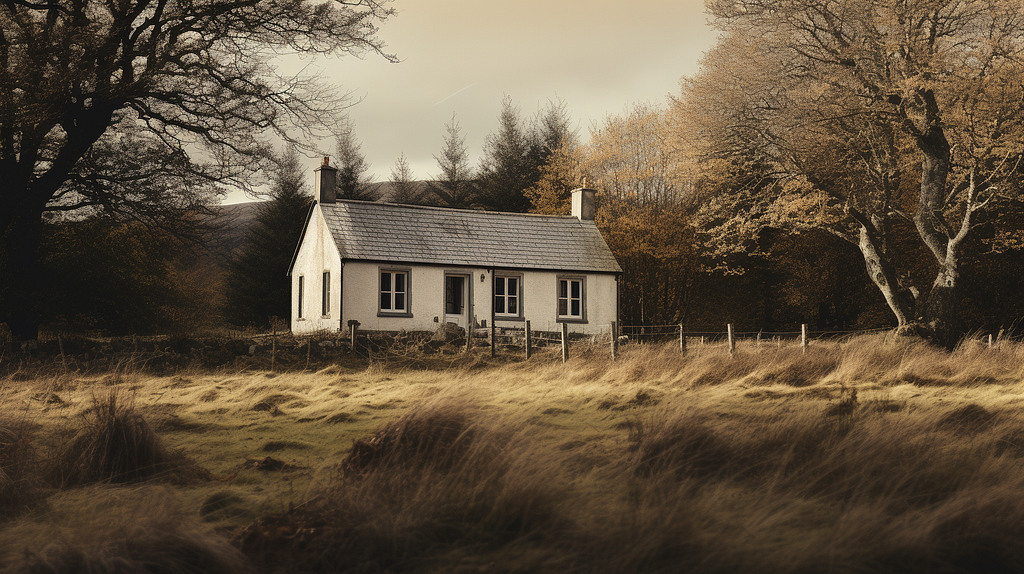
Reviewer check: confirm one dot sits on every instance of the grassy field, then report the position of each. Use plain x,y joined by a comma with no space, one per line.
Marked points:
876,454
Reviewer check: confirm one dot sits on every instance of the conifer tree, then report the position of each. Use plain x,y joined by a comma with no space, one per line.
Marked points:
454,186
353,180
258,286
509,165
403,188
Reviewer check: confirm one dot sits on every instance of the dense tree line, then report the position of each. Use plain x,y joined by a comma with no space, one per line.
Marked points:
846,164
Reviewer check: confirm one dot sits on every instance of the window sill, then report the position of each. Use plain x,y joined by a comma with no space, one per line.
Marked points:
578,320
512,318
325,316
400,315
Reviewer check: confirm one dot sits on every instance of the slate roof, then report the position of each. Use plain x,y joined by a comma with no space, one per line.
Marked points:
417,234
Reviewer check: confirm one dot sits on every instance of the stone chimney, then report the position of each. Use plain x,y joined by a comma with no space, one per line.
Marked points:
325,182
583,204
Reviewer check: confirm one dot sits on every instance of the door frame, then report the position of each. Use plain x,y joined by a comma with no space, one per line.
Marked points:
467,302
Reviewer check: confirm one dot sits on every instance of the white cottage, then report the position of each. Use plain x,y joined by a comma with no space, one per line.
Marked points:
402,267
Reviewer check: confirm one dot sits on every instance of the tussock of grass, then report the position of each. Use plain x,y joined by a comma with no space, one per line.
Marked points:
119,532
436,436
116,444
19,466
439,481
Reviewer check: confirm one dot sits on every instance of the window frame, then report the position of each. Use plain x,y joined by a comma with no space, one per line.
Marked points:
519,315
325,295
407,311
582,317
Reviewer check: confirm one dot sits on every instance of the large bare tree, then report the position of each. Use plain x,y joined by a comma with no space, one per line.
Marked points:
838,106
98,99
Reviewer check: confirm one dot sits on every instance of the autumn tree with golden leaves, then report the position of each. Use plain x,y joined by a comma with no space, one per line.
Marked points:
858,116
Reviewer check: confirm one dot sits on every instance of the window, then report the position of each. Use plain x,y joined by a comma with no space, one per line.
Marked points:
507,296
570,299
301,281
325,303
394,291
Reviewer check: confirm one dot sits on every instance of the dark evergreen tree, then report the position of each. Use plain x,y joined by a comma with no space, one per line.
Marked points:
108,275
454,186
510,163
353,180
403,188
552,130
257,285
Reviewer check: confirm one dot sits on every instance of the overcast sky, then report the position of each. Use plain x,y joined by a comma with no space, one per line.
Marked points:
463,56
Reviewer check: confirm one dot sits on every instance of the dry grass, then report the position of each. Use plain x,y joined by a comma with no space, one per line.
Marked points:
125,531
875,454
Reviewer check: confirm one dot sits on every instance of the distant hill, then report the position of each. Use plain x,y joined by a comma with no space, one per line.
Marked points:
384,191
231,222
228,228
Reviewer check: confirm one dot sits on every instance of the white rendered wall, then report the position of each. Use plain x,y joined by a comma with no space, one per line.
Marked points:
539,298
425,296
540,302
316,255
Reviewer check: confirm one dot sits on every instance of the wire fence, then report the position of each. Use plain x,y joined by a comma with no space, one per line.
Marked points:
523,339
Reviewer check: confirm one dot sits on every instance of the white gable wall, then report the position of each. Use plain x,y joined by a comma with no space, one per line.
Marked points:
316,254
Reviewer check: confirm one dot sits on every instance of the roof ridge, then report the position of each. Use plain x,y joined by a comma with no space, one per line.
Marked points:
454,209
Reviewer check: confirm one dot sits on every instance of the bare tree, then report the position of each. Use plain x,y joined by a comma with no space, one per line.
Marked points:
186,85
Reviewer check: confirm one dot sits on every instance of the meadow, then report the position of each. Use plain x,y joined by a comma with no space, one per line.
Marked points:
873,454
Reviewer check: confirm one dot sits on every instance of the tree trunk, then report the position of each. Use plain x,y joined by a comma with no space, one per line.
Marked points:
883,274
939,316
19,274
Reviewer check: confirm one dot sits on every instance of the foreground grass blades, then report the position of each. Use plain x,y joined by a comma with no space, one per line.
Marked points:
874,454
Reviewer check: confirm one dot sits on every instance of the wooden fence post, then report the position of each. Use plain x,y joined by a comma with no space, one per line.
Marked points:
758,345
732,340
682,339
529,341
352,335
803,336
469,333
990,340
565,342
493,342
615,341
